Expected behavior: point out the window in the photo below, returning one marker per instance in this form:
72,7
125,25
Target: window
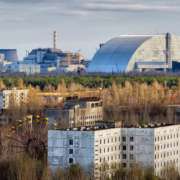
124,156
124,165
71,160
123,138
70,151
131,138
71,142
131,148
131,157
124,148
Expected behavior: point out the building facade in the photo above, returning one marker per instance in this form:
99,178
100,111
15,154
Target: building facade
9,54
155,147
28,69
55,60
78,112
13,97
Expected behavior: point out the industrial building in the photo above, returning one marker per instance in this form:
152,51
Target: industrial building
155,146
138,53
55,60
9,54
77,112
24,68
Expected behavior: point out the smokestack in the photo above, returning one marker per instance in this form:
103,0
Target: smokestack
54,40
168,50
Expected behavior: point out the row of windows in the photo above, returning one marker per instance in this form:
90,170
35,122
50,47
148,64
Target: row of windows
91,117
114,148
166,137
110,158
131,156
115,139
109,149
165,154
82,123
166,163
168,145
109,166
116,157
96,104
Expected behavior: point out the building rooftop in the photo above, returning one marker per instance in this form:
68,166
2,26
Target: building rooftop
76,98
111,126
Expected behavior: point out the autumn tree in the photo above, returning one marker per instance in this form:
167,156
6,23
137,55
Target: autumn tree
2,85
35,102
20,83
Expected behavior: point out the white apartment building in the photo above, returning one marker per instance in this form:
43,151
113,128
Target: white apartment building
18,97
156,147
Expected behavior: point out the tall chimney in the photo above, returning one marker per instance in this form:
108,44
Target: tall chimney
168,50
54,40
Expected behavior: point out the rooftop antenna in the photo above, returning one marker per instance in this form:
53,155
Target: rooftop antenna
54,40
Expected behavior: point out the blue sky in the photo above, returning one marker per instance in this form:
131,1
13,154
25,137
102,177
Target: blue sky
82,24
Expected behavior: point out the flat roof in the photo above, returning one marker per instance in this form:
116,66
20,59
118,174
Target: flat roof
103,127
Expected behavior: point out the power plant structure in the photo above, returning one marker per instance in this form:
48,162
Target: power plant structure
55,60
139,53
54,40
9,54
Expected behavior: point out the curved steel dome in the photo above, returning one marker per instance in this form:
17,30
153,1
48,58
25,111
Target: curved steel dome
122,53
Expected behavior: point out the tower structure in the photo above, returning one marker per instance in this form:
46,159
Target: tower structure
54,40
168,51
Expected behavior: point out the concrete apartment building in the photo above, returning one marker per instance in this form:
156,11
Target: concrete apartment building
152,146
78,112
18,97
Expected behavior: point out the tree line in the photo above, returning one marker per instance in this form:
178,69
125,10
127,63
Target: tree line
91,81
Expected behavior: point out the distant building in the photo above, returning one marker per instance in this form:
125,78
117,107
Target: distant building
9,54
157,147
139,53
28,69
72,62
13,97
55,60
78,112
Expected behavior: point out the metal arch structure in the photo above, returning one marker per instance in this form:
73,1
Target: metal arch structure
136,53
115,54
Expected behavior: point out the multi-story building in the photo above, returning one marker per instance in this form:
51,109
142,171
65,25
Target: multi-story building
55,60
28,69
78,112
13,97
153,146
